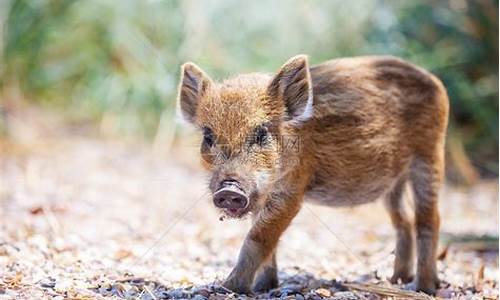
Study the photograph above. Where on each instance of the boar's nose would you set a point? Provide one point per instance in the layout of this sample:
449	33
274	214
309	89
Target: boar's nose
230	197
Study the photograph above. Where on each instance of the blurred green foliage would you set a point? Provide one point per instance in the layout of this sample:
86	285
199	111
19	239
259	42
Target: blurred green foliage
458	41
117	63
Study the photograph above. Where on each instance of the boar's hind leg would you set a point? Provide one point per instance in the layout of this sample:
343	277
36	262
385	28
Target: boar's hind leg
403	264
426	175
262	240
267	278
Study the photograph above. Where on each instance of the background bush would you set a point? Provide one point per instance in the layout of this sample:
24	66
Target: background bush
117	63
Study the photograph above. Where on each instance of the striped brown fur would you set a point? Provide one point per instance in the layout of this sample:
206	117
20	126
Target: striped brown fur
341	133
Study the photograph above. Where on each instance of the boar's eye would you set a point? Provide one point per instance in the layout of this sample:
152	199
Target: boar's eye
261	135
208	136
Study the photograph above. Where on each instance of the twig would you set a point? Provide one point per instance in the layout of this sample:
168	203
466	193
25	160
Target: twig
386	291
149	292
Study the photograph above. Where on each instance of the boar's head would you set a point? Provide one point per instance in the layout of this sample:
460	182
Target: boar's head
242	121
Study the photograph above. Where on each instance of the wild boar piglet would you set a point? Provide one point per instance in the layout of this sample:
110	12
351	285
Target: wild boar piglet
342	133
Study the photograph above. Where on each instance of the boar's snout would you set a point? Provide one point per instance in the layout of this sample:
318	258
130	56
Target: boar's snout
231	198
227	198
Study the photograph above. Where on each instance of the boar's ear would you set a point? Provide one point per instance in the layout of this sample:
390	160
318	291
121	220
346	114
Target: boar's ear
194	83
293	86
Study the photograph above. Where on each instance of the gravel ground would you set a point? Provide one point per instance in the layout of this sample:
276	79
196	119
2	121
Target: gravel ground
86	218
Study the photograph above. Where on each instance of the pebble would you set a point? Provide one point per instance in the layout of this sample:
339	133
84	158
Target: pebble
323	292
445	293
48	283
312	296
137	281
132	291
344	296
218	297
202	292
292	288
177	293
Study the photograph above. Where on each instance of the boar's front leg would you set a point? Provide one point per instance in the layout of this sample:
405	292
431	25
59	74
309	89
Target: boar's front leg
262	240
267	277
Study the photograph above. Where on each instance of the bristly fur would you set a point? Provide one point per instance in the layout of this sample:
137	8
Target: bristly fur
344	132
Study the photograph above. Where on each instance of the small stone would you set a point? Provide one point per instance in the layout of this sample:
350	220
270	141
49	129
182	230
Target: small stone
48	283
130	291
323	292
177	293
345	296
218	297
291	289
137	281
274	293
338	286
445	293
199	297
284	295
202	292
312	296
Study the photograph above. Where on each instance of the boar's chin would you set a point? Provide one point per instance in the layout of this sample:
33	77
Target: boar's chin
234	213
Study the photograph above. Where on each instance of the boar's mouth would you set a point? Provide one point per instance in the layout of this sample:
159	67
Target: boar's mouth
232	199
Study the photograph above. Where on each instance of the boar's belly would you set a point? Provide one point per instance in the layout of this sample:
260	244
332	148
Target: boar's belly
331	195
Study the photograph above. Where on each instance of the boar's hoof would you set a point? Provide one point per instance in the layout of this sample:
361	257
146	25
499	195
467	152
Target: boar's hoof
427	285
429	290
265	283
401	277
237	287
